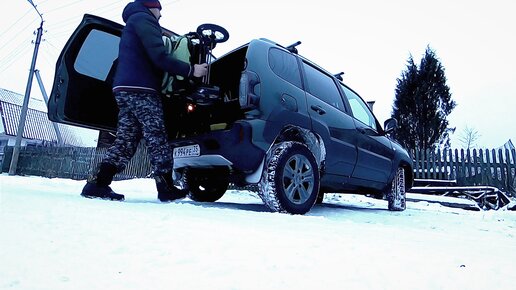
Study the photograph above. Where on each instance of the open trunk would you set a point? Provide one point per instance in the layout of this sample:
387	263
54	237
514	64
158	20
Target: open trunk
207	107
81	94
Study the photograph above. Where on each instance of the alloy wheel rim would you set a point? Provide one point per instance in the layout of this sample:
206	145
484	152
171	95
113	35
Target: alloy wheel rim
298	179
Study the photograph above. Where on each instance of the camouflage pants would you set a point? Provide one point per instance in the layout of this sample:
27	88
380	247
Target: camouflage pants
140	115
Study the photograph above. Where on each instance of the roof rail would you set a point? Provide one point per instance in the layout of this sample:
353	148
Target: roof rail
339	76
292	48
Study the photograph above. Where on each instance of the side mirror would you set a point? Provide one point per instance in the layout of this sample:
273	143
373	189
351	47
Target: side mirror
390	125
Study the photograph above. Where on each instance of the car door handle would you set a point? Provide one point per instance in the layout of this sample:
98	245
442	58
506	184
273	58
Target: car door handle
367	131
318	109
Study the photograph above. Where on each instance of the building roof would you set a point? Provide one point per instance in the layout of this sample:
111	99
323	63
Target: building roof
17	99
37	124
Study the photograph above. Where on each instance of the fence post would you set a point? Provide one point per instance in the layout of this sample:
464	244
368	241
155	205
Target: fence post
496	175
477	178
432	163
456	165
424	164
416	154
463	165
438	164
446	163
450	164
483	176
468	164
490	165
508	170
513	172
502	168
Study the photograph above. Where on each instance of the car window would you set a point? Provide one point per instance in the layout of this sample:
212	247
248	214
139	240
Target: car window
97	54
323	87
285	66
359	108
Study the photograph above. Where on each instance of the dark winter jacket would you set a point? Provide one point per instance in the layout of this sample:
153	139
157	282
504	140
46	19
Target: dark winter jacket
142	57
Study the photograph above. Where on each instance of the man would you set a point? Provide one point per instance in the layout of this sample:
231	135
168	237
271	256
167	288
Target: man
142	60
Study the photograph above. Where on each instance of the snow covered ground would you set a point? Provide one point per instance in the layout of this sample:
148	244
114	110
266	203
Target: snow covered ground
51	238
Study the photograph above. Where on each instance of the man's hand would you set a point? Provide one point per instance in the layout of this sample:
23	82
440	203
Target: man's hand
200	70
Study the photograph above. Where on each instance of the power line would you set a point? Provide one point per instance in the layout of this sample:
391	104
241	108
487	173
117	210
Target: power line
65	27
9	59
101	9
52	45
42	2
64	6
56	30
78	16
14	24
16	51
110	10
18	34
48	58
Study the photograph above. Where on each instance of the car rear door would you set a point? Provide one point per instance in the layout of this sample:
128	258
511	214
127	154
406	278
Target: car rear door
329	120
375	152
81	93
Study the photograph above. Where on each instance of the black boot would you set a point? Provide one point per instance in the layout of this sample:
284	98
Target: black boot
166	189
98	184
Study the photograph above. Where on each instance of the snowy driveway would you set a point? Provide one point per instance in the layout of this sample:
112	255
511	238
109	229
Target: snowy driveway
51	238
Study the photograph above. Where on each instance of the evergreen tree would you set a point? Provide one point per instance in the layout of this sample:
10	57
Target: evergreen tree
422	104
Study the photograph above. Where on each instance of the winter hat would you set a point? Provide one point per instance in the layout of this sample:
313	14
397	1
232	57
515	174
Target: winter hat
150	3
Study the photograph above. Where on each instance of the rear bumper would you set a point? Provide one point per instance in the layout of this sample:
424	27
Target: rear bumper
232	147
201	161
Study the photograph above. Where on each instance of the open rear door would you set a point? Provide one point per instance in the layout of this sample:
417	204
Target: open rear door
81	93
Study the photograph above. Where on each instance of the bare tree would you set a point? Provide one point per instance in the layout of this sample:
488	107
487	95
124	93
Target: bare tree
468	137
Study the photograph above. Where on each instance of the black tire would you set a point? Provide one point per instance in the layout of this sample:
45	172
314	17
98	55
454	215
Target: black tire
290	181
396	195
207	185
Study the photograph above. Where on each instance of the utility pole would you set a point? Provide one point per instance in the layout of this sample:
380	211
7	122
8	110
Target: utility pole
45	97
25	108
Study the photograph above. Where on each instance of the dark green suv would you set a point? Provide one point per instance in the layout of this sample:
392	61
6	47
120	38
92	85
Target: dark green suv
265	117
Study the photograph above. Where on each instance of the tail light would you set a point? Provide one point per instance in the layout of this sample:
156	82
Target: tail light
249	93
190	108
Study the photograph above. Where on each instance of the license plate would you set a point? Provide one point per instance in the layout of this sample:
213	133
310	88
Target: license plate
187	151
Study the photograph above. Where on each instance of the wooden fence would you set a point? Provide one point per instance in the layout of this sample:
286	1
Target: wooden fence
495	167
467	167
72	162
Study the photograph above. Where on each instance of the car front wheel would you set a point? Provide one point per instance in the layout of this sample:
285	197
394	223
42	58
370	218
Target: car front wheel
290	182
396	195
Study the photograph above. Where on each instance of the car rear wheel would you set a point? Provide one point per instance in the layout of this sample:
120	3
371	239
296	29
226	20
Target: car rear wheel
396	196
290	181
207	185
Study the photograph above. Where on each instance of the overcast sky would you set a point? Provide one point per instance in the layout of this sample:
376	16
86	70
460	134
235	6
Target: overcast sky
370	40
